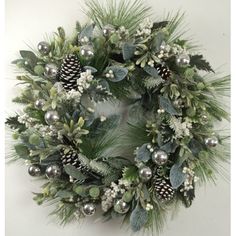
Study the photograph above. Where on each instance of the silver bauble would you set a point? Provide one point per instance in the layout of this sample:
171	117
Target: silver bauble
34	170
145	173
39	103
51	117
159	157
121	207
87	52
51	70
211	142
183	60
44	48
53	171
89	209
108	30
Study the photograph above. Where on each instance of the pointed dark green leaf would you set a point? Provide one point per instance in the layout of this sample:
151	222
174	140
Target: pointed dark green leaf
200	63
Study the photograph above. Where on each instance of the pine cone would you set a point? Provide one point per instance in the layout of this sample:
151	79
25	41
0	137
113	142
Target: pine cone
163	189
71	158
163	71
69	72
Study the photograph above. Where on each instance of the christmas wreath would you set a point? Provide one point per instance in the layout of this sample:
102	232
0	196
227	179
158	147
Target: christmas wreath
144	158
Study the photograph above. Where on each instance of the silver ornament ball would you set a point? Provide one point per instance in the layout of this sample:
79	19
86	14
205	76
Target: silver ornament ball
87	52
89	209
44	48
53	171
34	170
145	173
121	207
51	70
211	142
51	117
159	157
183	60
108	30
39	103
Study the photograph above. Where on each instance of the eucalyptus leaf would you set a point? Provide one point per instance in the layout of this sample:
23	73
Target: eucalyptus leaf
152	71
87	32
73	172
128	50
166	104
119	73
138	218
93	70
195	146
22	151
30	57
143	154
157	41
169	147
177	177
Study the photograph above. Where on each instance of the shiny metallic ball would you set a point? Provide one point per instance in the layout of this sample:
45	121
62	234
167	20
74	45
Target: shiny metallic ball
108	30
87	52
159	157
53	171
44	48
121	207
51	70
89	209
211	142
183	60
39	103
34	170
145	173
51	117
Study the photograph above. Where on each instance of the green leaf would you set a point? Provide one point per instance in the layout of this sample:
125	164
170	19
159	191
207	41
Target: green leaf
157	41
195	146
22	151
100	168
30	57
169	147
128	50
39	70
128	196
119	73
81	190
143	154
94	192
152	71
93	70
64	194
166	104
159	25
73	172
138	218
177	177
61	33
87	32
34	139
130	173
200	63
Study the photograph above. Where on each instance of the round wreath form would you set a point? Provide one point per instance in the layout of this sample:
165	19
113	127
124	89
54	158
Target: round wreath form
138	163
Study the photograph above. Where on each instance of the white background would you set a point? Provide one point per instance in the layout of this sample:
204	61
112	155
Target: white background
27	22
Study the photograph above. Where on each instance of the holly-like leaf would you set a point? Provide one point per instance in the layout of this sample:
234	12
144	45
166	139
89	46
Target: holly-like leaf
73	172
128	50
119	73
143	154
166	104
130	173
177	177
138	218
200	63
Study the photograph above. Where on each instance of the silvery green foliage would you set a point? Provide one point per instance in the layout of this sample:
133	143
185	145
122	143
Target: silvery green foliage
138	218
177	177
